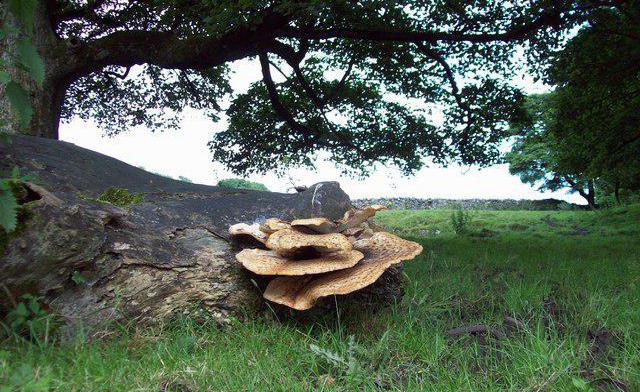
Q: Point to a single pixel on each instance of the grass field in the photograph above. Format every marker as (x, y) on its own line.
(571, 279)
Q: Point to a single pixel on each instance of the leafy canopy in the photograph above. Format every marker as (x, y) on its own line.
(538, 156)
(589, 127)
(598, 98)
(362, 80)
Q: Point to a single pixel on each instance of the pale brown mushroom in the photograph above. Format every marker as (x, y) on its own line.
(366, 233)
(381, 251)
(355, 217)
(272, 225)
(290, 242)
(375, 227)
(319, 225)
(266, 262)
(250, 230)
(359, 232)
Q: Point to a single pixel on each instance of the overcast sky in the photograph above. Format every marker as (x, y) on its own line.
(184, 152)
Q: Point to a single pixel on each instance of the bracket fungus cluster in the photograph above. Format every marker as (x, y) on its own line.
(317, 257)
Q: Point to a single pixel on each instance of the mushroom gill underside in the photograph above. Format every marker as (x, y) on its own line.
(316, 257)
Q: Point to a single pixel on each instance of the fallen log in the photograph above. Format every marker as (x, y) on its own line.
(169, 254)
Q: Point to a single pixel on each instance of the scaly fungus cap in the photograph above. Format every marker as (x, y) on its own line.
(319, 225)
(272, 225)
(266, 262)
(380, 252)
(353, 218)
(251, 230)
(289, 242)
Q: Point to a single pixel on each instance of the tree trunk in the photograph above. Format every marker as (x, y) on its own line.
(169, 255)
(591, 195)
(47, 99)
(46, 103)
(616, 193)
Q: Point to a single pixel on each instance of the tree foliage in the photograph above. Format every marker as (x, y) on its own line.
(587, 132)
(598, 97)
(8, 207)
(154, 98)
(239, 183)
(542, 159)
(340, 76)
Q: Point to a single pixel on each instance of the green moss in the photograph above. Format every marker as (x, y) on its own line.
(239, 183)
(116, 196)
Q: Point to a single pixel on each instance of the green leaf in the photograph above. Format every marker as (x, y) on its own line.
(29, 177)
(580, 384)
(77, 278)
(8, 207)
(4, 137)
(8, 29)
(34, 307)
(21, 310)
(28, 56)
(4, 77)
(23, 10)
(20, 102)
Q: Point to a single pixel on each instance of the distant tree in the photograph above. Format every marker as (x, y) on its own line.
(332, 72)
(239, 183)
(540, 159)
(586, 134)
(180, 178)
(598, 99)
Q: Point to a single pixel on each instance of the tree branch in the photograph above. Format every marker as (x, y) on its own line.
(575, 187)
(449, 76)
(167, 50)
(285, 115)
(341, 83)
(280, 71)
(278, 107)
(455, 91)
(117, 75)
(420, 36)
(553, 17)
(192, 88)
(294, 60)
(317, 102)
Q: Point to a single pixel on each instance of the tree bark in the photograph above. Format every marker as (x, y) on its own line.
(591, 194)
(47, 99)
(94, 264)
